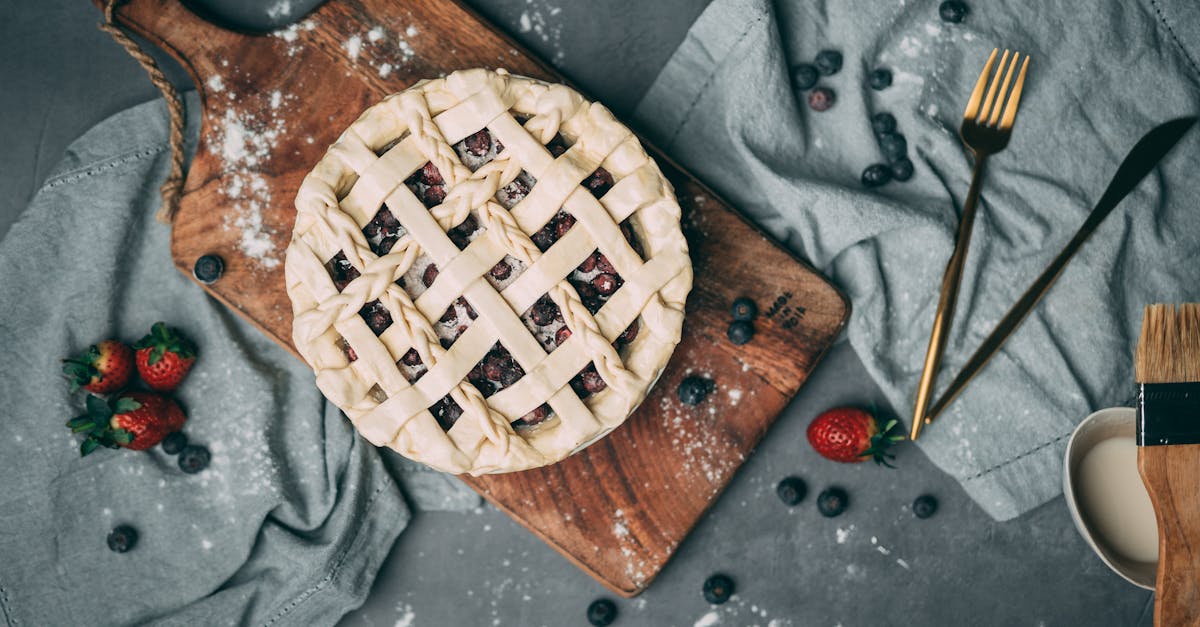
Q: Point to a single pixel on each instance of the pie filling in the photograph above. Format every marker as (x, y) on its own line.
(595, 281)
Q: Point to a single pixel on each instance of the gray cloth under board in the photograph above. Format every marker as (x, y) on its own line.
(1101, 76)
(294, 515)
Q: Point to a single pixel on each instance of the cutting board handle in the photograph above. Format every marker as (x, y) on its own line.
(1172, 477)
(171, 26)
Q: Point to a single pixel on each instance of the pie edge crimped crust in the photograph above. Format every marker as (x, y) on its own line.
(350, 183)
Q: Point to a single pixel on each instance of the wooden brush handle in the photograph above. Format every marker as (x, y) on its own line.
(1172, 477)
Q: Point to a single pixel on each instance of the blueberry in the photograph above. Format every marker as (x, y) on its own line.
(193, 458)
(693, 390)
(174, 442)
(832, 502)
(122, 538)
(821, 98)
(208, 269)
(740, 332)
(880, 79)
(744, 309)
(791, 490)
(828, 62)
(925, 506)
(804, 76)
(718, 588)
(902, 169)
(893, 146)
(953, 11)
(883, 123)
(601, 613)
(876, 175)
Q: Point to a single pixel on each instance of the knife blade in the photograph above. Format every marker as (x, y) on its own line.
(1140, 161)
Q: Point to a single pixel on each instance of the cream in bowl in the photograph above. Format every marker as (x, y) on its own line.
(1108, 502)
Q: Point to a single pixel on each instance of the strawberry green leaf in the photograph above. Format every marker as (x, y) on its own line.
(121, 436)
(97, 408)
(125, 405)
(88, 446)
(79, 424)
(881, 442)
(156, 354)
(79, 373)
(162, 339)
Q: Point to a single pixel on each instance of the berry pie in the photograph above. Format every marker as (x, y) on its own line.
(487, 272)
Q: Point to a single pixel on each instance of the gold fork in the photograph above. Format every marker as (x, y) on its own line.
(986, 127)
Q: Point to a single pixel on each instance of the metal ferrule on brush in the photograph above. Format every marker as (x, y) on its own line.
(1168, 413)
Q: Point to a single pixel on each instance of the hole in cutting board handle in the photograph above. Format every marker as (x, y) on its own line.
(253, 16)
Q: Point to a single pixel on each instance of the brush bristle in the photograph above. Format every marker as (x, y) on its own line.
(1168, 350)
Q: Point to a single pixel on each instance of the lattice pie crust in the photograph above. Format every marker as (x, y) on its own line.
(467, 221)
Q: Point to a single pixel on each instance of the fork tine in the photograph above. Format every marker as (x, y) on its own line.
(1012, 67)
(989, 102)
(972, 111)
(1014, 99)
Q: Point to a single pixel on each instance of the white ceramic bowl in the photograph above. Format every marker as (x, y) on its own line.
(1100, 426)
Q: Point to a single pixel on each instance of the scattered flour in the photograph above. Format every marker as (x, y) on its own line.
(621, 527)
(635, 566)
(537, 18)
(912, 47)
(844, 534)
(405, 615)
(244, 140)
(280, 9)
(707, 455)
(206, 544)
(377, 50)
(739, 611)
(353, 46)
(291, 34)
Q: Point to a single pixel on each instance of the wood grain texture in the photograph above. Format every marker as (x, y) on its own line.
(619, 509)
(1172, 477)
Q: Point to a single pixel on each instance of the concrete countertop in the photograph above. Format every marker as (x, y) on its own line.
(874, 565)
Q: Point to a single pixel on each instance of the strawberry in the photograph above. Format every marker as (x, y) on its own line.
(164, 357)
(102, 369)
(849, 434)
(134, 420)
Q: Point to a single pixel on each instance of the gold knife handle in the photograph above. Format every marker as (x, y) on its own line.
(949, 298)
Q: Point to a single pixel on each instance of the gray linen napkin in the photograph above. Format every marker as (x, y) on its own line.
(1099, 79)
(295, 513)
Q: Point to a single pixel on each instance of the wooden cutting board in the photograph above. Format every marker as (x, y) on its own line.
(273, 103)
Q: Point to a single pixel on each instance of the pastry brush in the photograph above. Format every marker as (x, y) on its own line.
(1167, 369)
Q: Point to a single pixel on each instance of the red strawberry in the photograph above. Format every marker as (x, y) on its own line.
(164, 357)
(103, 368)
(849, 434)
(134, 420)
